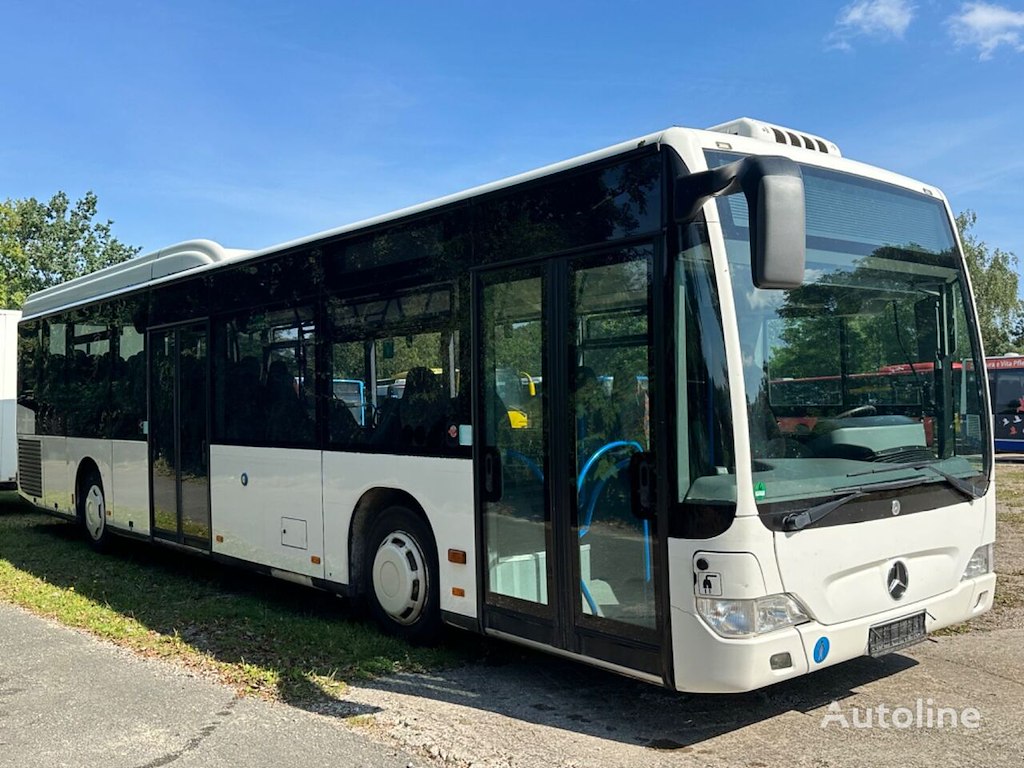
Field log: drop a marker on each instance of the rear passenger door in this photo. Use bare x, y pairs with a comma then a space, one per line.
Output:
179, 464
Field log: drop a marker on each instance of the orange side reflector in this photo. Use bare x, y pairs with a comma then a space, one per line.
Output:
457, 556
315, 560
458, 591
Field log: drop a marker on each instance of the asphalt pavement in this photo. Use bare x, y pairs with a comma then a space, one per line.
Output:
69, 700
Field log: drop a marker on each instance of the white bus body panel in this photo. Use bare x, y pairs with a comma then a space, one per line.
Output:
57, 488
297, 504
8, 395
267, 507
442, 487
128, 498
840, 572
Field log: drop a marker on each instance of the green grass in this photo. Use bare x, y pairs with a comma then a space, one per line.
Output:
264, 637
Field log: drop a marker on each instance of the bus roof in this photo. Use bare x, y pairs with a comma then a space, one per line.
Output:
133, 273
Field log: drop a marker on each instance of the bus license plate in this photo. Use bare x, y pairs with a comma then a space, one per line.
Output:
886, 638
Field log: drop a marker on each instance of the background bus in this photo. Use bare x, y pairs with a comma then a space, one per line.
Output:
626, 508
8, 395
902, 390
1006, 385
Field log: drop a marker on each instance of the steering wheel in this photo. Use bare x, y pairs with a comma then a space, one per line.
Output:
860, 410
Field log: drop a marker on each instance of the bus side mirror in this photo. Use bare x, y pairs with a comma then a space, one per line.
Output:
774, 189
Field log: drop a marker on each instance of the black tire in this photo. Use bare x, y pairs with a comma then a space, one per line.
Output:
92, 511
401, 576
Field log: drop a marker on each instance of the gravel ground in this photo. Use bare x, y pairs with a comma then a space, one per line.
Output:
524, 710
1009, 607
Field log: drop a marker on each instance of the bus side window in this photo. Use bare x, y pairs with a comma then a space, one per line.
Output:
245, 417
287, 421
351, 413
1009, 396
263, 373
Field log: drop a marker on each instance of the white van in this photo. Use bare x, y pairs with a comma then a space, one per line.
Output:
8, 397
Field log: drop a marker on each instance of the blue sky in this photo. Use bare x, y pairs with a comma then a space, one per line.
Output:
254, 123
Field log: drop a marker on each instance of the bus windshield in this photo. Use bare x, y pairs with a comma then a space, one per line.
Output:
871, 363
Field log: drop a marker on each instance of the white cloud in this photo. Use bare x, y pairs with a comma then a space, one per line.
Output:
871, 18
987, 27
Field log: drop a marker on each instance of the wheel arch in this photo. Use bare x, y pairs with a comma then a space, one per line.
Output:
86, 468
370, 504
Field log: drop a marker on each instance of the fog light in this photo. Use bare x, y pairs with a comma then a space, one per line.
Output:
781, 661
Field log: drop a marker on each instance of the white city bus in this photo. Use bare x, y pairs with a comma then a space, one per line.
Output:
8, 393
657, 497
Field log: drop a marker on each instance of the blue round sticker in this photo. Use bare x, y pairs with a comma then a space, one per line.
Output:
821, 650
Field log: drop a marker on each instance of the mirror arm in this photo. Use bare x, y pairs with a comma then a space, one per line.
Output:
694, 190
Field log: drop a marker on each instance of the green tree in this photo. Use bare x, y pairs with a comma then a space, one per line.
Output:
46, 243
995, 281
13, 263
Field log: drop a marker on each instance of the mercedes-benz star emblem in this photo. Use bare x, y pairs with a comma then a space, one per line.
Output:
898, 580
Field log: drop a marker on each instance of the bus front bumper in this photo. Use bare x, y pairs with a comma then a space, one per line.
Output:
708, 663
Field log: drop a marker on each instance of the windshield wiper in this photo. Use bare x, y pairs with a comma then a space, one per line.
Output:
797, 521
965, 487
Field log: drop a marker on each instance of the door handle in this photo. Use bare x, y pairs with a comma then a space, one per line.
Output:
642, 485
491, 479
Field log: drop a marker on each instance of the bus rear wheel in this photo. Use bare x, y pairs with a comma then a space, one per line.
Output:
92, 511
401, 576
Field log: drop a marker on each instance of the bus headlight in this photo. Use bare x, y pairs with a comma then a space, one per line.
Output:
979, 564
743, 618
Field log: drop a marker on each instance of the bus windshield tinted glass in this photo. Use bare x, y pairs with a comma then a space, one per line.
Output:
872, 361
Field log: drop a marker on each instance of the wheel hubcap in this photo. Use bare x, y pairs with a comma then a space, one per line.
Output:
400, 577
95, 512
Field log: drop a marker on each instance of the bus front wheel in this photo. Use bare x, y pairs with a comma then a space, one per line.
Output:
401, 575
92, 511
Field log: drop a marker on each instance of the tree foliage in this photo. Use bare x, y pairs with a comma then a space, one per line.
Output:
46, 243
995, 282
